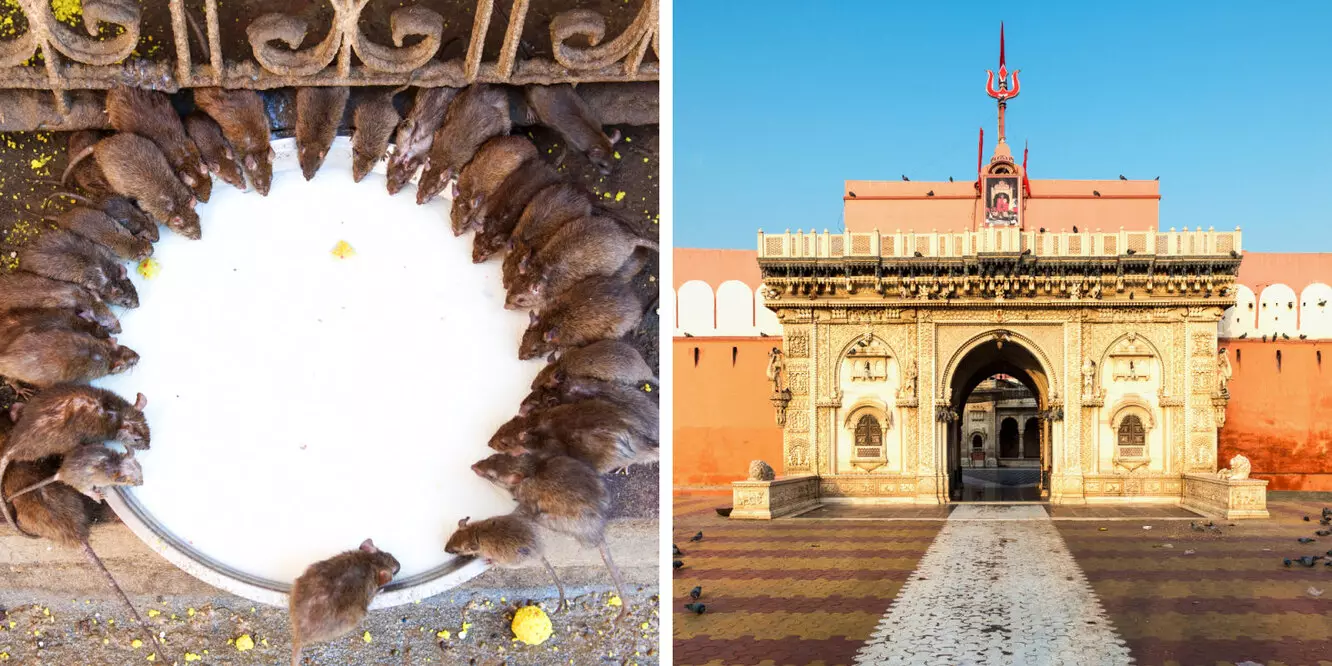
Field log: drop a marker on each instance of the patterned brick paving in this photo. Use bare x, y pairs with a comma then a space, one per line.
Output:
1231, 600
786, 592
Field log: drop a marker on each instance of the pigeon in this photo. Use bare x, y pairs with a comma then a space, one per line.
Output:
1121, 177
1307, 540
853, 194
918, 254
1131, 252
1075, 228
1095, 193
1026, 252
675, 550
904, 178
677, 564
1234, 254
1264, 337
1324, 532
688, 334
930, 193
696, 593
697, 608
1309, 560
1285, 336
764, 335
697, 537
1196, 527
1322, 302
1157, 178
950, 179
1244, 335
1304, 335
1286, 561
1306, 519
1042, 229
1314, 592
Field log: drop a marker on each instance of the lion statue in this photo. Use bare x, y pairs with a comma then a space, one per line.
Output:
761, 471
1238, 470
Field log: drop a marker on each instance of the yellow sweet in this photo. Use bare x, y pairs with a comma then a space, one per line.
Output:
531, 625
244, 643
342, 250
149, 268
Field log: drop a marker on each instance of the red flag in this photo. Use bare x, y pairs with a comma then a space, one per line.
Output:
1026, 184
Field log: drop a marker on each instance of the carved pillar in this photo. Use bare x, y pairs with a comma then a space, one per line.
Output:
930, 486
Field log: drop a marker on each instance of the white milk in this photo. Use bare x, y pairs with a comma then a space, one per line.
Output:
300, 403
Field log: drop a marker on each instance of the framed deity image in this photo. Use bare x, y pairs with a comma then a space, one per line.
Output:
1003, 204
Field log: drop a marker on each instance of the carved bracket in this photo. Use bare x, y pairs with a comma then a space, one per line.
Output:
780, 399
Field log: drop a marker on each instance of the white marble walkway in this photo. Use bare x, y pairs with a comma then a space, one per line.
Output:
997, 586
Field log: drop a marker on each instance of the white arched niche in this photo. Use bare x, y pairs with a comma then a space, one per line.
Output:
697, 309
1240, 318
1276, 311
765, 320
1316, 311
868, 379
735, 309
1130, 375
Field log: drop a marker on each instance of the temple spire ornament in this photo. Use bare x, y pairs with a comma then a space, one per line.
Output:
1002, 93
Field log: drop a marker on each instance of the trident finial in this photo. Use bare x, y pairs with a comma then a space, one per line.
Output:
1002, 93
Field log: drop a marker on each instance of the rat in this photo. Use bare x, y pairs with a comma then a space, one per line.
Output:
100, 228
24, 290
333, 595
62, 418
559, 493
597, 308
373, 120
148, 113
46, 358
17, 323
581, 248
480, 113
507, 541
61, 255
319, 112
118, 208
605, 360
88, 176
214, 149
603, 435
59, 513
244, 122
574, 389
91, 468
560, 108
499, 213
416, 133
494, 161
549, 210
136, 168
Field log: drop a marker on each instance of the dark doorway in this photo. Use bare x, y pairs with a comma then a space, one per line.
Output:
1031, 439
1008, 439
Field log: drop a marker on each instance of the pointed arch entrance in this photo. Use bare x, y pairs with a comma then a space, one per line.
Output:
1014, 407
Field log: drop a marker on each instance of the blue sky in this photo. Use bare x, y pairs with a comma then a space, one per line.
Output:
777, 103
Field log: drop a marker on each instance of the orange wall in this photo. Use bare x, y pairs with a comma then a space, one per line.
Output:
1281, 419
723, 418
890, 206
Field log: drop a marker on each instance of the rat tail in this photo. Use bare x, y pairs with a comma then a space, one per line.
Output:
97, 562
74, 161
36, 486
78, 198
4, 506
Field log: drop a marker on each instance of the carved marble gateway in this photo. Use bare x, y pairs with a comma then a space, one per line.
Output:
892, 340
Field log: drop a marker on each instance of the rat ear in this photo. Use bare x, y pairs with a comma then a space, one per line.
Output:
383, 577
614, 136
123, 271
227, 151
532, 317
369, 546
513, 479
476, 201
463, 522
456, 192
250, 162
141, 402
16, 411
550, 335
522, 265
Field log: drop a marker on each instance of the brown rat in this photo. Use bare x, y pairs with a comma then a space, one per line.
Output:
494, 161
480, 113
560, 493
597, 308
560, 108
214, 149
605, 360
507, 541
373, 120
17, 323
639, 402
61, 255
499, 213
91, 468
244, 122
62, 418
319, 112
59, 513
582, 248
416, 133
148, 113
121, 209
601, 434
88, 176
24, 290
549, 210
332, 596
100, 228
46, 358
136, 168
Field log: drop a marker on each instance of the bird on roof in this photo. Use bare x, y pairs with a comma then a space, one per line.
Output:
1244, 335
1026, 252
918, 254
853, 194
1234, 254
1304, 336
1121, 177
905, 178
930, 193
950, 179
688, 334
1042, 229
1130, 252
1322, 302
1075, 228
1096, 193
1157, 178
1285, 336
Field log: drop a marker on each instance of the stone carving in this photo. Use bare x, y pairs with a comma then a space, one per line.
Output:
775, 368
797, 457
1238, 470
1223, 373
909, 379
761, 471
797, 345
1089, 377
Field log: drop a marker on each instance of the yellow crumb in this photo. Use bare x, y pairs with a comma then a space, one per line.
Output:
342, 250
531, 625
366, 637
244, 643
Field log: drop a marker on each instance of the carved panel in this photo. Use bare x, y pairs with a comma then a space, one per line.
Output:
797, 344
797, 455
799, 383
797, 416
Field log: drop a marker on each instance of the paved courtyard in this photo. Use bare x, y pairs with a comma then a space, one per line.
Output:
983, 584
